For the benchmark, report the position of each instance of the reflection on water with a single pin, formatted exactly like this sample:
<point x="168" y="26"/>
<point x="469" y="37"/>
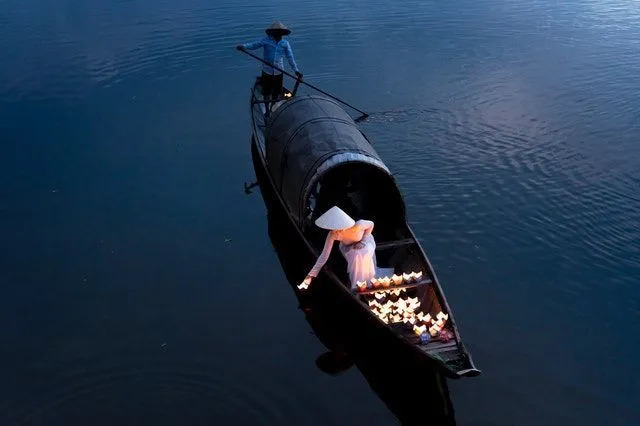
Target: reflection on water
<point x="415" y="393"/>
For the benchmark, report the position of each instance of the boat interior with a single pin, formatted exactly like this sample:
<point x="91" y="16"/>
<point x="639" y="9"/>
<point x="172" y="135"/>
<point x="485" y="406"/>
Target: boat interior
<point x="365" y="191"/>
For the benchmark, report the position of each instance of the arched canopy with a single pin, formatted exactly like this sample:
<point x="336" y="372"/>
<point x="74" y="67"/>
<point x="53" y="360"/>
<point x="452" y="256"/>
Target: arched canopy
<point x="306" y="138"/>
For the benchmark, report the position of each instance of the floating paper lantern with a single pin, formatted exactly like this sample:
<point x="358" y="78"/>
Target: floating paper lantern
<point x="397" y="279"/>
<point x="419" y="329"/>
<point x="427" y="318"/>
<point x="442" y="316"/>
<point x="433" y="331"/>
<point x="386" y="281"/>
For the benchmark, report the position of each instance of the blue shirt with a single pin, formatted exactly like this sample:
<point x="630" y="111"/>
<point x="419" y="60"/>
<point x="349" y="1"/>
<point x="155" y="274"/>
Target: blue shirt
<point x="273" y="52"/>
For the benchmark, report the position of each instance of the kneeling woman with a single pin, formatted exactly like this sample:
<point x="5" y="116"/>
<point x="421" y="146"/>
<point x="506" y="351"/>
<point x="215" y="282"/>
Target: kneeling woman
<point x="356" y="245"/>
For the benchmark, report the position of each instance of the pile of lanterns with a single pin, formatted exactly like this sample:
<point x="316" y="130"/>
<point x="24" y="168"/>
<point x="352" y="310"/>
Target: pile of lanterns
<point x="387" y="282"/>
<point x="406" y="310"/>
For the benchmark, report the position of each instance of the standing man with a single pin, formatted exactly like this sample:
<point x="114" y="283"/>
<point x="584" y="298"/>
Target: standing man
<point x="274" y="48"/>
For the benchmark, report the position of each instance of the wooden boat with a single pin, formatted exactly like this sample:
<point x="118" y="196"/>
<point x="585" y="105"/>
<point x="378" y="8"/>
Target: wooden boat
<point x="309" y="155"/>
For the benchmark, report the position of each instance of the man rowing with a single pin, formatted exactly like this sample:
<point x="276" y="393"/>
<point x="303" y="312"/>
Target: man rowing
<point x="274" y="48"/>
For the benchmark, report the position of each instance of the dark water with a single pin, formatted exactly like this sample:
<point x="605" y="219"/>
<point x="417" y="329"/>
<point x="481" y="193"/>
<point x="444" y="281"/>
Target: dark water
<point x="513" y="128"/>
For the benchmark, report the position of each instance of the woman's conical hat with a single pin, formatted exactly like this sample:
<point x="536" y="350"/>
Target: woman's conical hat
<point x="334" y="219"/>
<point x="278" y="27"/>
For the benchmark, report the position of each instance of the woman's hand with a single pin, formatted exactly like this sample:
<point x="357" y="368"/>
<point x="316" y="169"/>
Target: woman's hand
<point x="305" y="283"/>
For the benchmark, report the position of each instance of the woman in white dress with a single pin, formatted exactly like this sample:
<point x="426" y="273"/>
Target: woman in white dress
<point x="356" y="245"/>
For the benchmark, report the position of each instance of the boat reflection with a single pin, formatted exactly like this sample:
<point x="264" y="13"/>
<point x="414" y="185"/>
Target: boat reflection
<point x="416" y="394"/>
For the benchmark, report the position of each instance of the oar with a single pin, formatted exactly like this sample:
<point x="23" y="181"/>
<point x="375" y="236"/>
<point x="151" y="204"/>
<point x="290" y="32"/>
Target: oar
<point x="298" y="80"/>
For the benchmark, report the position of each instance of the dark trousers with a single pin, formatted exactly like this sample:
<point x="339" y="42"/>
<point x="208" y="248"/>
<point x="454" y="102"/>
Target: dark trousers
<point x="271" y="85"/>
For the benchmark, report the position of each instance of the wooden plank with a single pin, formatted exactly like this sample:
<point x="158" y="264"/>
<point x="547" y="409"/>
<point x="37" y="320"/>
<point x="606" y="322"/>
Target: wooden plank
<point x="395" y="287"/>
<point x="393" y="244"/>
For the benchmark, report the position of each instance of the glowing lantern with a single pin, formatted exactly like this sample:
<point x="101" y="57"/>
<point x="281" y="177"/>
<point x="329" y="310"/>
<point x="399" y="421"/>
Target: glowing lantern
<point x="375" y="283"/>
<point x="412" y="320"/>
<point x="427" y="318"/>
<point x="407" y="277"/>
<point x="419" y="329"/>
<point x="386" y="281"/>
<point x="379" y="296"/>
<point x="397" y="279"/>
<point x="362" y="285"/>
<point x="304" y="284"/>
<point x="433" y="331"/>
<point x="442" y="316"/>
<point x="417" y="275"/>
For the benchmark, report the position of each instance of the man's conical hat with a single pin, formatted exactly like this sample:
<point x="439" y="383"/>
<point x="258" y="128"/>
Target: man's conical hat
<point x="277" y="27"/>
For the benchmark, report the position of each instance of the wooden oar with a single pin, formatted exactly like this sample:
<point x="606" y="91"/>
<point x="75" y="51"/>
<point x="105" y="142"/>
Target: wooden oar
<point x="299" y="80"/>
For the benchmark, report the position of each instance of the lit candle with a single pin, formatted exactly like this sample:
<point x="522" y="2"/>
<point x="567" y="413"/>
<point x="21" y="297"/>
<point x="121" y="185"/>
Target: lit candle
<point x="386" y="281"/>
<point x="439" y="323"/>
<point x="362" y="285"/>
<point x="375" y="283"/>
<point x="396" y="318"/>
<point x="420" y="315"/>
<point x="443" y="316"/>
<point x="407" y="277"/>
<point x="427" y="318"/>
<point x="397" y="279"/>
<point x="379" y="296"/>
<point x="419" y="329"/>
<point x="417" y="275"/>
<point x="412" y="320"/>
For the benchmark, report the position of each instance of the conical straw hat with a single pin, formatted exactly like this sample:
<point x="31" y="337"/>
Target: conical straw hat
<point x="334" y="219"/>
<point x="278" y="27"/>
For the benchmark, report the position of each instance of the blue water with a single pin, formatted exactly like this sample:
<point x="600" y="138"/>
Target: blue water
<point x="138" y="281"/>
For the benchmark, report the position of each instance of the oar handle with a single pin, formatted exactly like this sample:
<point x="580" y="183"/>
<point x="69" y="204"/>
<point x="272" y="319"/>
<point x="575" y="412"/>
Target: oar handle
<point x="299" y="80"/>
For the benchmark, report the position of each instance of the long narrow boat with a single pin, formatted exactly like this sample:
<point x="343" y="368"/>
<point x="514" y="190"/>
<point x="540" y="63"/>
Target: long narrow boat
<point x="309" y="155"/>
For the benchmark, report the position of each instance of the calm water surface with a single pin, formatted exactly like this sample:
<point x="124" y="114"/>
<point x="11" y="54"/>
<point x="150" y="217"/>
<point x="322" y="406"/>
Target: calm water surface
<point x="139" y="284"/>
